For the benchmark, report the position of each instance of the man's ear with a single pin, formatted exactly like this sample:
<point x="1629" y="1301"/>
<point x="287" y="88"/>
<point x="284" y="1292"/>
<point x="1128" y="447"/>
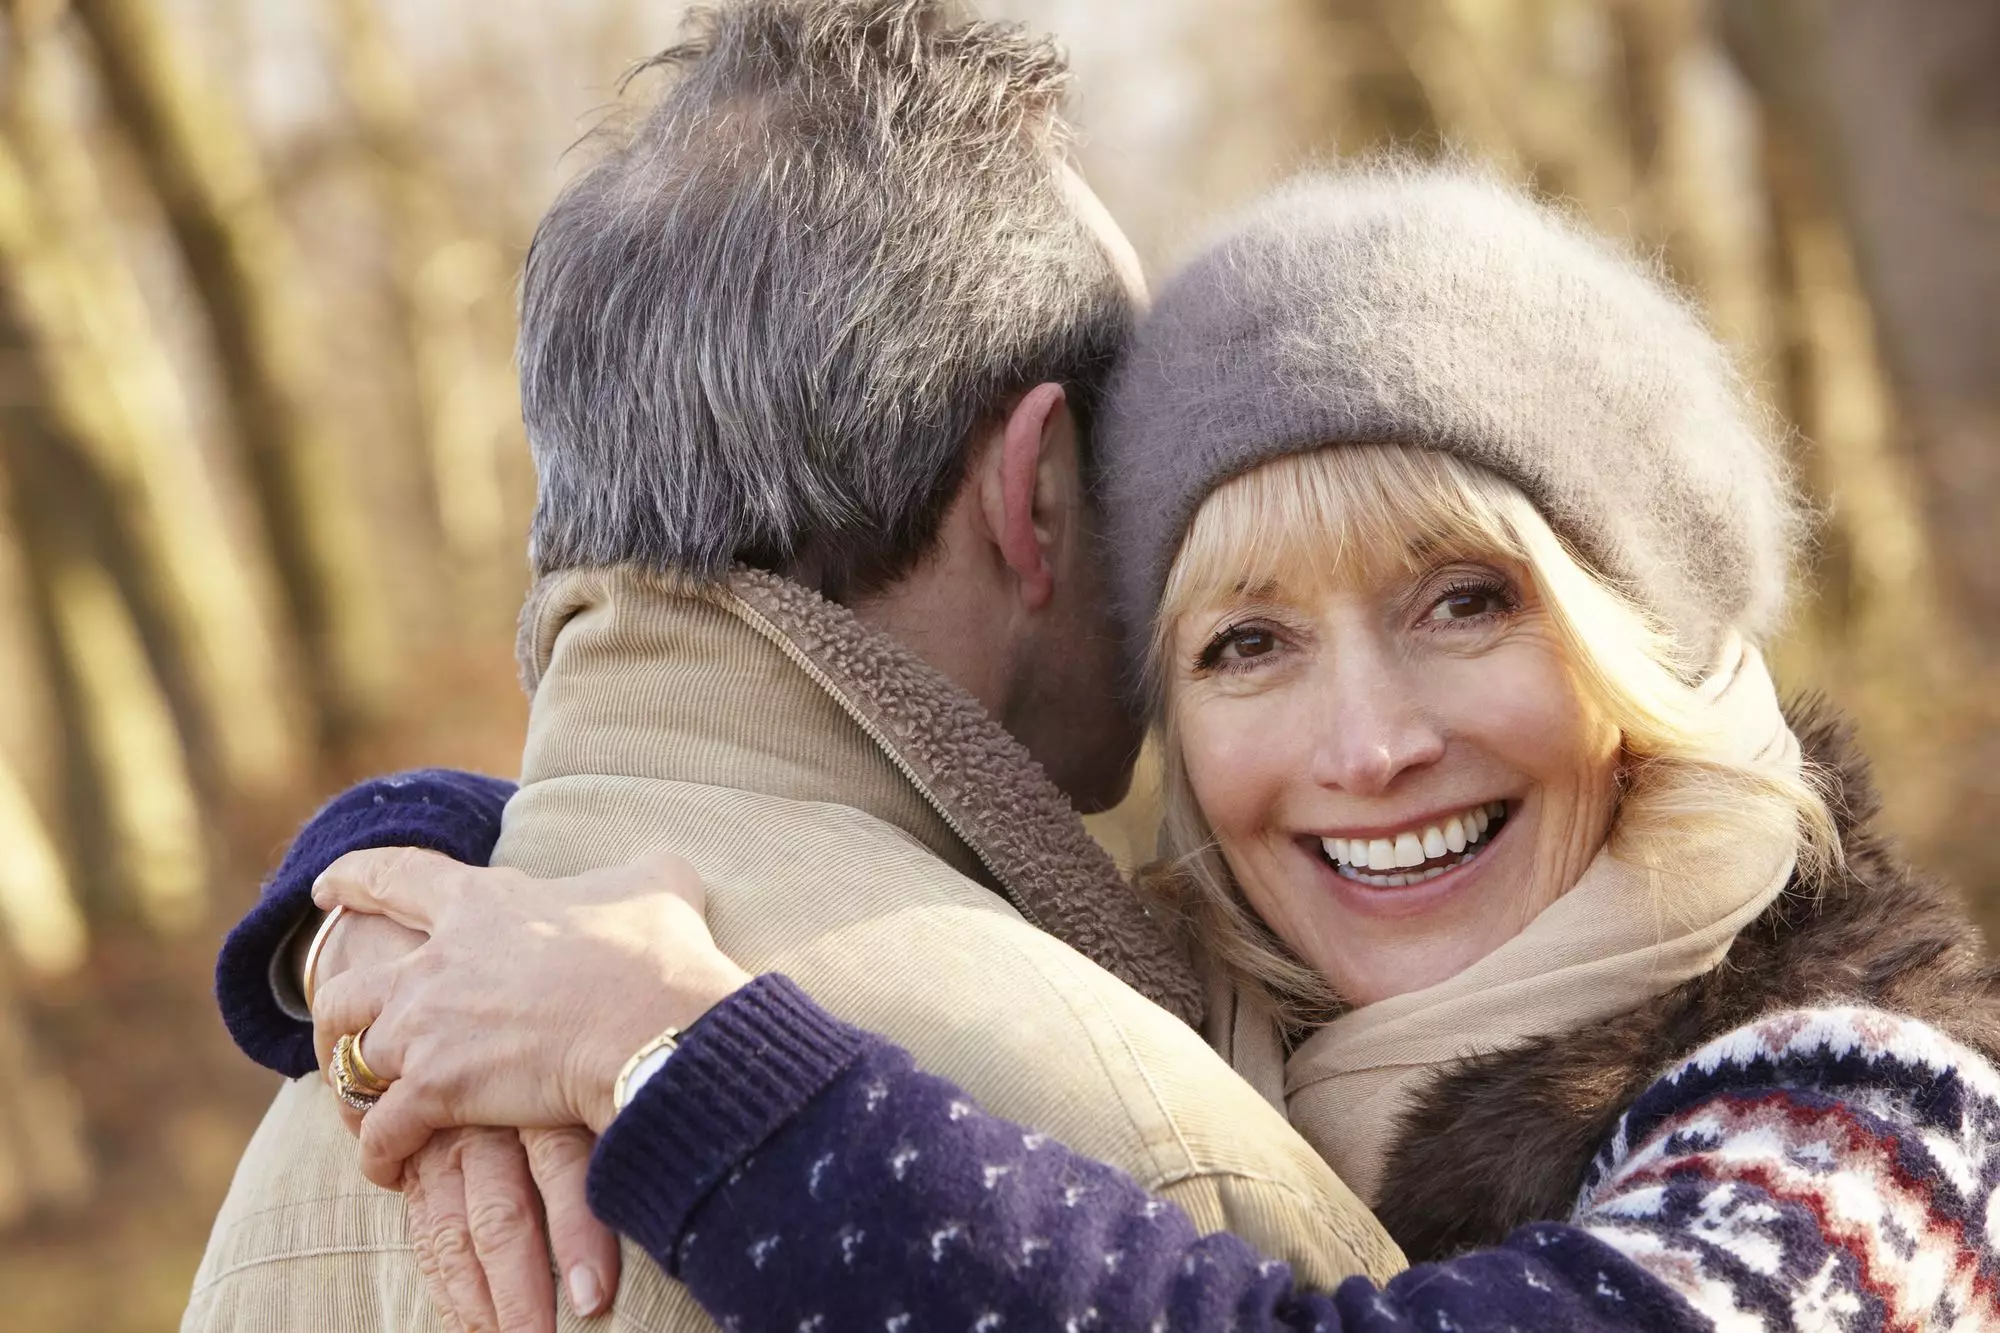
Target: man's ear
<point x="1021" y="500"/>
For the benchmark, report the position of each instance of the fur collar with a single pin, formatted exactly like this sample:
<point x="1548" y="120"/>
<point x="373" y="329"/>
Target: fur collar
<point x="1506" y="1139"/>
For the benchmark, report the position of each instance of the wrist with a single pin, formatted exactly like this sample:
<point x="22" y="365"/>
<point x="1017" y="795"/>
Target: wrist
<point x="312" y="965"/>
<point x="749" y="1069"/>
<point x="297" y="944"/>
<point x="285" y="968"/>
<point x="679" y="1008"/>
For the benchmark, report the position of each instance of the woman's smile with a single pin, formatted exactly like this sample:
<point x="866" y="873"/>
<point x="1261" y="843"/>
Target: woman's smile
<point x="1420" y="851"/>
<point x="1343" y="865"/>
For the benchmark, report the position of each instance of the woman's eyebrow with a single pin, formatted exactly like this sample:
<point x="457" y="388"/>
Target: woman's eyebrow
<point x="1263" y="590"/>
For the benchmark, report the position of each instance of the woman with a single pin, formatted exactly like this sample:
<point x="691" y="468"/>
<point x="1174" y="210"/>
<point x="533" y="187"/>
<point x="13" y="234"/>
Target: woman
<point x="1455" y="537"/>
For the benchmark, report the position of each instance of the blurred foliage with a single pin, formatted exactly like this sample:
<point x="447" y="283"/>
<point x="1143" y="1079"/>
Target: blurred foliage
<point x="263" y="490"/>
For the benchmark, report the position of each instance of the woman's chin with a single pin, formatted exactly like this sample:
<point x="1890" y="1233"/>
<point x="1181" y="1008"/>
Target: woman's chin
<point x="1394" y="939"/>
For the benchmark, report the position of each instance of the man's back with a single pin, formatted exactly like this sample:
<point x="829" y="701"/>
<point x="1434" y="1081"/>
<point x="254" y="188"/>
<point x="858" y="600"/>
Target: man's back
<point x="710" y="725"/>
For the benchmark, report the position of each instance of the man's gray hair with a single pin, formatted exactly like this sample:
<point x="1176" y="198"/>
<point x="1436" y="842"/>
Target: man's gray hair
<point x="766" y="325"/>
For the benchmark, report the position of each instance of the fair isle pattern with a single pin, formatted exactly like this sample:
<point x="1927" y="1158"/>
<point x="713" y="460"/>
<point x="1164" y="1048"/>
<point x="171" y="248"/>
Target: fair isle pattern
<point x="1832" y="1168"/>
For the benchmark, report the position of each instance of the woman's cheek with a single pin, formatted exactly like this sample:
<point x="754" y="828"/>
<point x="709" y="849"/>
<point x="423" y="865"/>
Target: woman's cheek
<point x="1519" y="705"/>
<point x="1233" y="764"/>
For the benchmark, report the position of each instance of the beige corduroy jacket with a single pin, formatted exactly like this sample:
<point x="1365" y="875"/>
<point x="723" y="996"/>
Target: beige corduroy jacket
<point x="867" y="829"/>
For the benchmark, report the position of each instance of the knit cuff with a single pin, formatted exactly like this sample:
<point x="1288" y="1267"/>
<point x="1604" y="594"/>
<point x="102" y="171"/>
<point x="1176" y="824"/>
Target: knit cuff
<point x="245" y="988"/>
<point x="748" y="1069"/>
<point x="455" y="814"/>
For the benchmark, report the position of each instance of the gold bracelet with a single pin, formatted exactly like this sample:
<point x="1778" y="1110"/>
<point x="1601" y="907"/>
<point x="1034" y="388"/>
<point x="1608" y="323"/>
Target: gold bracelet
<point x="650" y="1058"/>
<point x="319" y="939"/>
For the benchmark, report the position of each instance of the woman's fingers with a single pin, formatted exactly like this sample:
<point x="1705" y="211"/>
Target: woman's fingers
<point x="410" y="886"/>
<point x="395" y="1129"/>
<point x="518" y="1013"/>
<point x="586" y="1249"/>
<point x="373" y="1051"/>
<point x="350" y="1002"/>
<point x="349" y="1117"/>
<point x="362" y="940"/>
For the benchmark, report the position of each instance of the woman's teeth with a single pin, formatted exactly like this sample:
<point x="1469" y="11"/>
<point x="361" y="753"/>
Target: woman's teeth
<point x="1416" y="854"/>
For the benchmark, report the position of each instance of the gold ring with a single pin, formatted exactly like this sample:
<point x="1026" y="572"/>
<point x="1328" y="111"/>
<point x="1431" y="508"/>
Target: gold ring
<point x="365" y="1079"/>
<point x="341" y="1067"/>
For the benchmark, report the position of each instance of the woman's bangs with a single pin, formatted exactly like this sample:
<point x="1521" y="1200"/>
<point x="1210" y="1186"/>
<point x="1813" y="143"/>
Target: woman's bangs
<point x="1344" y="514"/>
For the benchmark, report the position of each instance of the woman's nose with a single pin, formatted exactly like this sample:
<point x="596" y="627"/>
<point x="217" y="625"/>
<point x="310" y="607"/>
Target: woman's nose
<point x="1374" y="728"/>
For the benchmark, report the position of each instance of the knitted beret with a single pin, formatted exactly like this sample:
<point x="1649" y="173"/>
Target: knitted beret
<point x="1445" y="310"/>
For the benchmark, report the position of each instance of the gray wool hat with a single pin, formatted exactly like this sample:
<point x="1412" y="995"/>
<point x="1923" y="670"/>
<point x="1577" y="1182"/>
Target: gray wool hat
<point x="1443" y="309"/>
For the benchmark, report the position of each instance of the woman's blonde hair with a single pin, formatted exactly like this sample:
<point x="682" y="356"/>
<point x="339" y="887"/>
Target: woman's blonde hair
<point x="1341" y="512"/>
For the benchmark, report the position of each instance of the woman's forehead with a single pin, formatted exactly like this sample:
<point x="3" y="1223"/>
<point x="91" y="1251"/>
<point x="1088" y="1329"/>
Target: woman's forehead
<point x="1312" y="566"/>
<point x="1339" y="518"/>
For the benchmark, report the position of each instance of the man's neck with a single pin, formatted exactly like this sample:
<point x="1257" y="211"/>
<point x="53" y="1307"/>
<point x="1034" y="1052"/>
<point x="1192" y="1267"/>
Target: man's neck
<point x="946" y="618"/>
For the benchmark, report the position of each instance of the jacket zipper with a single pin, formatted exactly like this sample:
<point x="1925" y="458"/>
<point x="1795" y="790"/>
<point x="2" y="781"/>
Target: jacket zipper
<point x="812" y="669"/>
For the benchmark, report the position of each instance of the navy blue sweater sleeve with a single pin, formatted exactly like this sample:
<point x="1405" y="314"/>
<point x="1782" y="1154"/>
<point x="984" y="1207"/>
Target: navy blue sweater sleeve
<point x="796" y="1173"/>
<point x="440" y="810"/>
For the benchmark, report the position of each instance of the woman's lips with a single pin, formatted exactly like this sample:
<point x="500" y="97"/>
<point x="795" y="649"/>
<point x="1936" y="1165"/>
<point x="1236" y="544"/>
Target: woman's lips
<point x="1418" y="853"/>
<point x="1404" y="892"/>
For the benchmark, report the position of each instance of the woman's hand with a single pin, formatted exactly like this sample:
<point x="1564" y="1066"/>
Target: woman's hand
<point x="356" y="940"/>
<point x="478" y="1197"/>
<point x="526" y="999"/>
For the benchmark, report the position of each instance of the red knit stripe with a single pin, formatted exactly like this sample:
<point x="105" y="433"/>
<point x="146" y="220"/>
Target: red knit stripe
<point x="1860" y="1147"/>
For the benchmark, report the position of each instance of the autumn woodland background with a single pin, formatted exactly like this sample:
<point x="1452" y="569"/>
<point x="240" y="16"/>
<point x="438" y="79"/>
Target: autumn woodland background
<point x="263" y="489"/>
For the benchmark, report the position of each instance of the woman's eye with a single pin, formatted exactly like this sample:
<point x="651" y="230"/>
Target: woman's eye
<point x="1236" y="645"/>
<point x="1467" y="604"/>
<point x="1246" y="643"/>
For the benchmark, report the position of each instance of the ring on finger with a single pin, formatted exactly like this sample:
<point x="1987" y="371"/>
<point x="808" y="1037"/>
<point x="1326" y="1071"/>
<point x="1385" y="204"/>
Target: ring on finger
<point x="365" y="1079"/>
<point x="345" y="1085"/>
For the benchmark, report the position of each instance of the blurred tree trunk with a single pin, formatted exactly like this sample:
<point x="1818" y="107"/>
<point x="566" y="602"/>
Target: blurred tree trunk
<point x="1871" y="567"/>
<point x="50" y="541"/>
<point x="136" y="737"/>
<point x="1895" y="108"/>
<point x="94" y="512"/>
<point x="42" y="1159"/>
<point x="202" y="166"/>
<point x="439" y="271"/>
<point x="216" y="656"/>
<point x="37" y="908"/>
<point x="44" y="1163"/>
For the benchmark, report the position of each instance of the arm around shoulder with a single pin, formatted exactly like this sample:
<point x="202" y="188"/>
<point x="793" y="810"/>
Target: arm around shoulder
<point x="835" y="1185"/>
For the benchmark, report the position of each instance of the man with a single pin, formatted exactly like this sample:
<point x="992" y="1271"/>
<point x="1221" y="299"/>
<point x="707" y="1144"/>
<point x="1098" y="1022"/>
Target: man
<point x="808" y="362"/>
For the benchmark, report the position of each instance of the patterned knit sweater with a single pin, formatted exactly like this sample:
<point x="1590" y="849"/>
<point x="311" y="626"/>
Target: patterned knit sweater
<point x="1827" y="1168"/>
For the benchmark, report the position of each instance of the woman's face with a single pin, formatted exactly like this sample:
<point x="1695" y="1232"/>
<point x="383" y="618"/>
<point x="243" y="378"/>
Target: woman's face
<point x="1397" y="769"/>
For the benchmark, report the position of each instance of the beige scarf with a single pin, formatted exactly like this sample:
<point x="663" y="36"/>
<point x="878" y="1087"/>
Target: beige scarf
<point x="1623" y="935"/>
